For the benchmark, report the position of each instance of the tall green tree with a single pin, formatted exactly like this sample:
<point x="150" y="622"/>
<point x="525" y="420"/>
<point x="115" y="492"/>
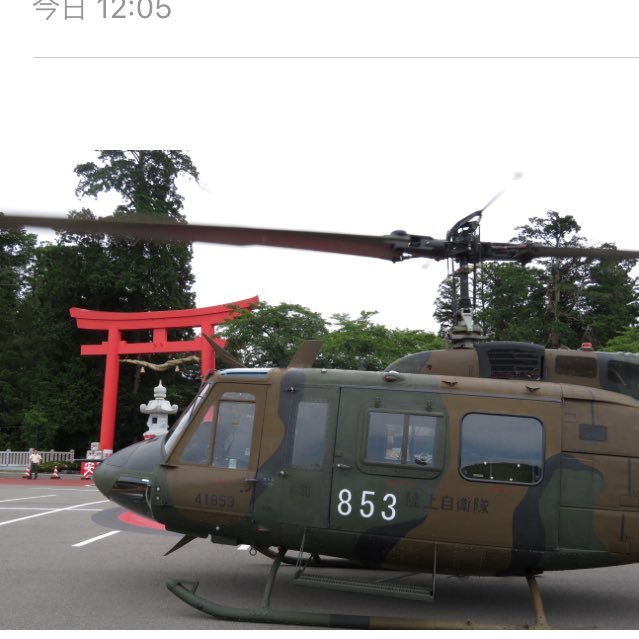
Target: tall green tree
<point x="104" y="273"/>
<point x="445" y="305"/>
<point x="149" y="275"/>
<point x="146" y="180"/>
<point x="558" y="302"/>
<point x="561" y="278"/>
<point x="65" y="390"/>
<point x="16" y="256"/>
<point x="611" y="298"/>
<point x="513" y="297"/>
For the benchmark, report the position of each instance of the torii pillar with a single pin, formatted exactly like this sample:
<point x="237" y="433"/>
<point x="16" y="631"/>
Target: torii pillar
<point x="158" y="322"/>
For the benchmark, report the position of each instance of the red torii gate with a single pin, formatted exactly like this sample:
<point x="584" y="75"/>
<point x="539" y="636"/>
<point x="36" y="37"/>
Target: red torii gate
<point x="159" y="322"/>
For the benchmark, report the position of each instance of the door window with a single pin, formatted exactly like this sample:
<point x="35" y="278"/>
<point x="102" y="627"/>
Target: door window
<point x="310" y="434"/>
<point x="401" y="439"/>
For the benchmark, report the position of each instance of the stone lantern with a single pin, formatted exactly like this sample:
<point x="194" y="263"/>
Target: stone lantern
<point x="158" y="410"/>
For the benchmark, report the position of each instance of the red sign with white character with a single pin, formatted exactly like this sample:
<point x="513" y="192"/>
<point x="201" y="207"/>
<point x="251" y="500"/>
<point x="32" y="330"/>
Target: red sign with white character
<point x="87" y="468"/>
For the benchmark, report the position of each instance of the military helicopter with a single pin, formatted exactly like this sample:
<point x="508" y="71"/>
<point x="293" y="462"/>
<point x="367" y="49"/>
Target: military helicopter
<point x="487" y="458"/>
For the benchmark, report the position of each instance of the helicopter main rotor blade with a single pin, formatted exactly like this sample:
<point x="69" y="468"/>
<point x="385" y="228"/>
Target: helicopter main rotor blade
<point x="526" y="252"/>
<point x="153" y="231"/>
<point x="394" y="247"/>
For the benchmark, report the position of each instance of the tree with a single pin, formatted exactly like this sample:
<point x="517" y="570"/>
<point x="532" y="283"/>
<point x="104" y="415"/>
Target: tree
<point x="146" y="180"/>
<point x="611" y="298"/>
<point x="149" y="275"/>
<point x="99" y="272"/>
<point x="513" y="295"/>
<point x="16" y="256"/>
<point x="445" y="305"/>
<point x="626" y="342"/>
<point x="560" y="278"/>
<point x="64" y="389"/>
<point x="268" y="336"/>
<point x="558" y="301"/>
<point x="361" y="344"/>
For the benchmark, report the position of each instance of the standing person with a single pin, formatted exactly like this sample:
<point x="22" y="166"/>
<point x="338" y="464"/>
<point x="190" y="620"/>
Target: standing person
<point x="35" y="459"/>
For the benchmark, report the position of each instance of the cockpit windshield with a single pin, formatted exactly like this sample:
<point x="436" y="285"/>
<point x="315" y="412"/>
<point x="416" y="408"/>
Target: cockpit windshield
<point x="185" y="418"/>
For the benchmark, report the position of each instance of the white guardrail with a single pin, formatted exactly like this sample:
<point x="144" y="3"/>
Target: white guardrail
<point x="20" y="459"/>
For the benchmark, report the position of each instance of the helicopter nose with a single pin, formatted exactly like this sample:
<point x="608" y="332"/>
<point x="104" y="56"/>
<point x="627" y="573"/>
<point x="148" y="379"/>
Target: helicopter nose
<point x="126" y="476"/>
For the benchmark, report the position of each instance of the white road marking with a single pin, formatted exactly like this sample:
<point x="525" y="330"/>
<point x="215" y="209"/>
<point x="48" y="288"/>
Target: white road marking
<point x="52" y="512"/>
<point x="90" y="541"/>
<point x="23" y="508"/>
<point x="72" y="490"/>
<point x="4" y="501"/>
<point x="243" y="547"/>
<point x="82" y="510"/>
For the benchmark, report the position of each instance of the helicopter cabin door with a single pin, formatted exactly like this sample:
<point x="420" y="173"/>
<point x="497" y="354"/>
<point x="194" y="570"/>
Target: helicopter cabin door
<point x="210" y="474"/>
<point x="389" y="458"/>
<point x="294" y="477"/>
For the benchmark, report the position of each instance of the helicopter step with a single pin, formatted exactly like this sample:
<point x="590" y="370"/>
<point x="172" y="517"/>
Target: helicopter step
<point x="385" y="588"/>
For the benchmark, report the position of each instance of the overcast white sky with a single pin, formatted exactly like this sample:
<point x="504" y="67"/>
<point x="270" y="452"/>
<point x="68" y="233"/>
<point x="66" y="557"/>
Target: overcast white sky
<point x="353" y="116"/>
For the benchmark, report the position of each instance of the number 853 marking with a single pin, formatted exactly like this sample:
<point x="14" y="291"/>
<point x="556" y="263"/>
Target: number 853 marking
<point x="367" y="504"/>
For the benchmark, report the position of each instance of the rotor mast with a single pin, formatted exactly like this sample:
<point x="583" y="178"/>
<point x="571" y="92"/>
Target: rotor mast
<point x="464" y="236"/>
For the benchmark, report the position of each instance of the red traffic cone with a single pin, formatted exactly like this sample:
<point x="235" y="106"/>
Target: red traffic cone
<point x="55" y="475"/>
<point x="27" y="473"/>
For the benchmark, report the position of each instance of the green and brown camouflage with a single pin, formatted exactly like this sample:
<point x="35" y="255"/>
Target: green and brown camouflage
<point x="618" y="372"/>
<point x="396" y="469"/>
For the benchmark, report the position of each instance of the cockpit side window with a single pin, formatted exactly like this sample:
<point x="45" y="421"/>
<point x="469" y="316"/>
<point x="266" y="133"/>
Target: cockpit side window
<point x="222" y="438"/>
<point x="622" y="377"/>
<point x="197" y="448"/>
<point x="234" y="431"/>
<point x="184" y="420"/>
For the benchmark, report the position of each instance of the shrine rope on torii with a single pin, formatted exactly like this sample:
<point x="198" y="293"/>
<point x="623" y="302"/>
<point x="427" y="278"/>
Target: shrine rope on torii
<point x="159" y="322"/>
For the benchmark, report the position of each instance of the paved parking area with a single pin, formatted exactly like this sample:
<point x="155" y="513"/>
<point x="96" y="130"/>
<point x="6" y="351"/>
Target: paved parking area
<point x="69" y="559"/>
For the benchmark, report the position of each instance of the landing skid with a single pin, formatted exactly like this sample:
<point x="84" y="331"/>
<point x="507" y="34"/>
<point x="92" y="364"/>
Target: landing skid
<point x="186" y="590"/>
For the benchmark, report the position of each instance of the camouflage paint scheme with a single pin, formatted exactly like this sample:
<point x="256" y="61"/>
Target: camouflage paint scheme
<point x="583" y="510"/>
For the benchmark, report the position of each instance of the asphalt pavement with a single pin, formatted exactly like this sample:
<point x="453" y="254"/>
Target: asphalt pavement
<point x="70" y="559"/>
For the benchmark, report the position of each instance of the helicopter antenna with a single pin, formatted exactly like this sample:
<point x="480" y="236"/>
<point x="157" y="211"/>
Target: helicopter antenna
<point x="465" y="234"/>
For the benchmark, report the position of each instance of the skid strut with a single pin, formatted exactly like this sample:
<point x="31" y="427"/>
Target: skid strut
<point x="186" y="590"/>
